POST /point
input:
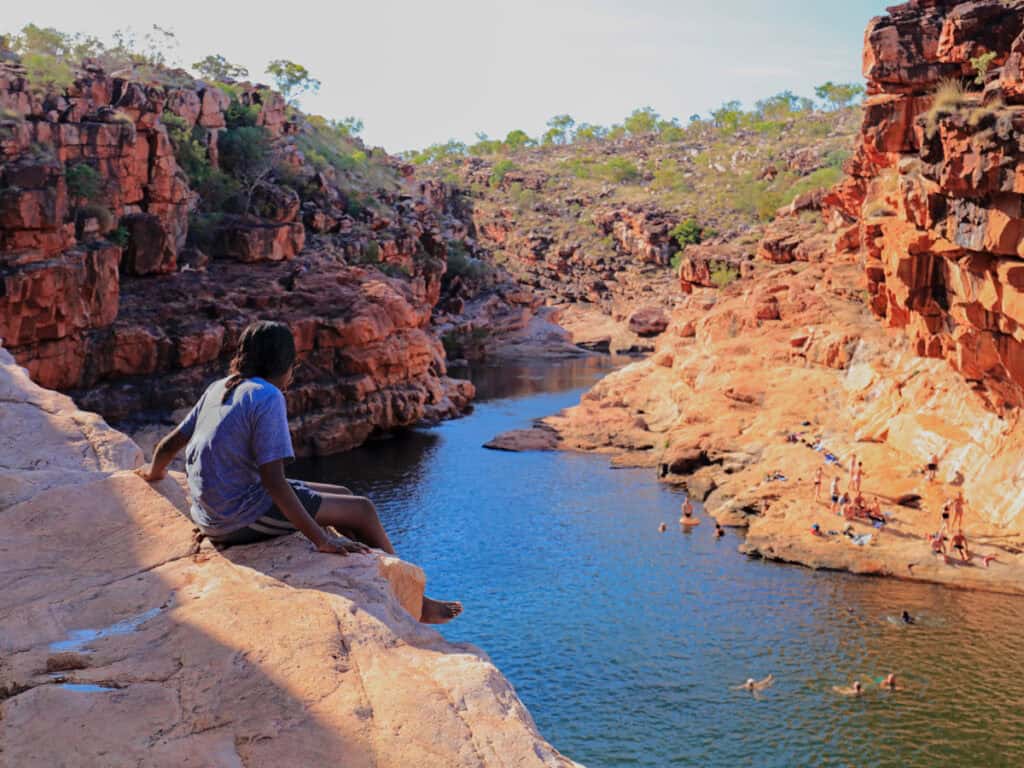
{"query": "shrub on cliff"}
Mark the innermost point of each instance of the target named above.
(247, 156)
(499, 170)
(189, 148)
(687, 232)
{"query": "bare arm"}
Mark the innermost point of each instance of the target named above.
(164, 454)
(273, 480)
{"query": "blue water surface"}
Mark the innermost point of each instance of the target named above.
(624, 643)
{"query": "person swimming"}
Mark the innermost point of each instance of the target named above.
(688, 518)
(719, 533)
(756, 685)
(906, 618)
(662, 528)
(889, 683)
(854, 690)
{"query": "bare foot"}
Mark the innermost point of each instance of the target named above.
(438, 612)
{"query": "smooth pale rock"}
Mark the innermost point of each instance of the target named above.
(164, 652)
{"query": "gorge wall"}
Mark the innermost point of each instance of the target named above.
(124, 282)
(937, 185)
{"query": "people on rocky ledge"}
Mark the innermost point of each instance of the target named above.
(959, 543)
(931, 468)
(236, 442)
(833, 492)
(818, 474)
(958, 510)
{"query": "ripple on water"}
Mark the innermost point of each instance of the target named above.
(624, 642)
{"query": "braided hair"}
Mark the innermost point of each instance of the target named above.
(265, 350)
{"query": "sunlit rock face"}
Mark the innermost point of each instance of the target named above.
(938, 187)
(112, 303)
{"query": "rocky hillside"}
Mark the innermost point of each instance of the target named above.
(165, 653)
(146, 217)
(609, 220)
(937, 186)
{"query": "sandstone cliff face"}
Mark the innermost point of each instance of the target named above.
(936, 186)
(115, 302)
(125, 644)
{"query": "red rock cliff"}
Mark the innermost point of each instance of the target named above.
(937, 185)
(115, 304)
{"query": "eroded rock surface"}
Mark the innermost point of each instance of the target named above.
(123, 642)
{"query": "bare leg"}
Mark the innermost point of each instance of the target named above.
(357, 517)
(356, 514)
(339, 490)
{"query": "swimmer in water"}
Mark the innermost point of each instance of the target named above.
(756, 685)
(662, 528)
(854, 690)
(688, 518)
(719, 533)
(889, 683)
(906, 617)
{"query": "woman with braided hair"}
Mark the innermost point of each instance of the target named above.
(236, 442)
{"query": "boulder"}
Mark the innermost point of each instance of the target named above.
(648, 322)
(150, 250)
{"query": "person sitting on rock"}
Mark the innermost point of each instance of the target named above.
(236, 441)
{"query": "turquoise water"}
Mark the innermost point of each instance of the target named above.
(624, 642)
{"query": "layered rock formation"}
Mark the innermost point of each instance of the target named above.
(936, 185)
(125, 643)
(107, 292)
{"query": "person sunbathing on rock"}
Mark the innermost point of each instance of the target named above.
(236, 442)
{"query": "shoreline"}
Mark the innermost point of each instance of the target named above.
(711, 410)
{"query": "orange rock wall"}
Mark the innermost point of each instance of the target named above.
(938, 189)
(133, 334)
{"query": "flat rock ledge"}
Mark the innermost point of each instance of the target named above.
(538, 438)
(123, 642)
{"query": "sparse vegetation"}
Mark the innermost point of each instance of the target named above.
(292, 80)
(216, 67)
(687, 232)
(981, 66)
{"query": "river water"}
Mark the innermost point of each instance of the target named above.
(624, 642)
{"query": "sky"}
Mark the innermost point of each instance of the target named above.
(420, 72)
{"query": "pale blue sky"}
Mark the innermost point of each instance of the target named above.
(422, 72)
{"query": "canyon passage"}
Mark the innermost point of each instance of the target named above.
(623, 642)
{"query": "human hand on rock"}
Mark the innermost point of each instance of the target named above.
(150, 474)
(338, 545)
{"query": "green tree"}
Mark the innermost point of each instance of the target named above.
(585, 133)
(348, 126)
(670, 130)
(292, 80)
(161, 46)
(216, 67)
(246, 154)
(559, 130)
(641, 121)
(728, 116)
(517, 139)
(779, 107)
(839, 95)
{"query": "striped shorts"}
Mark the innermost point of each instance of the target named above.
(274, 523)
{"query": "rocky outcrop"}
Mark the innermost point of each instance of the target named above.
(756, 385)
(108, 292)
(937, 190)
(162, 652)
